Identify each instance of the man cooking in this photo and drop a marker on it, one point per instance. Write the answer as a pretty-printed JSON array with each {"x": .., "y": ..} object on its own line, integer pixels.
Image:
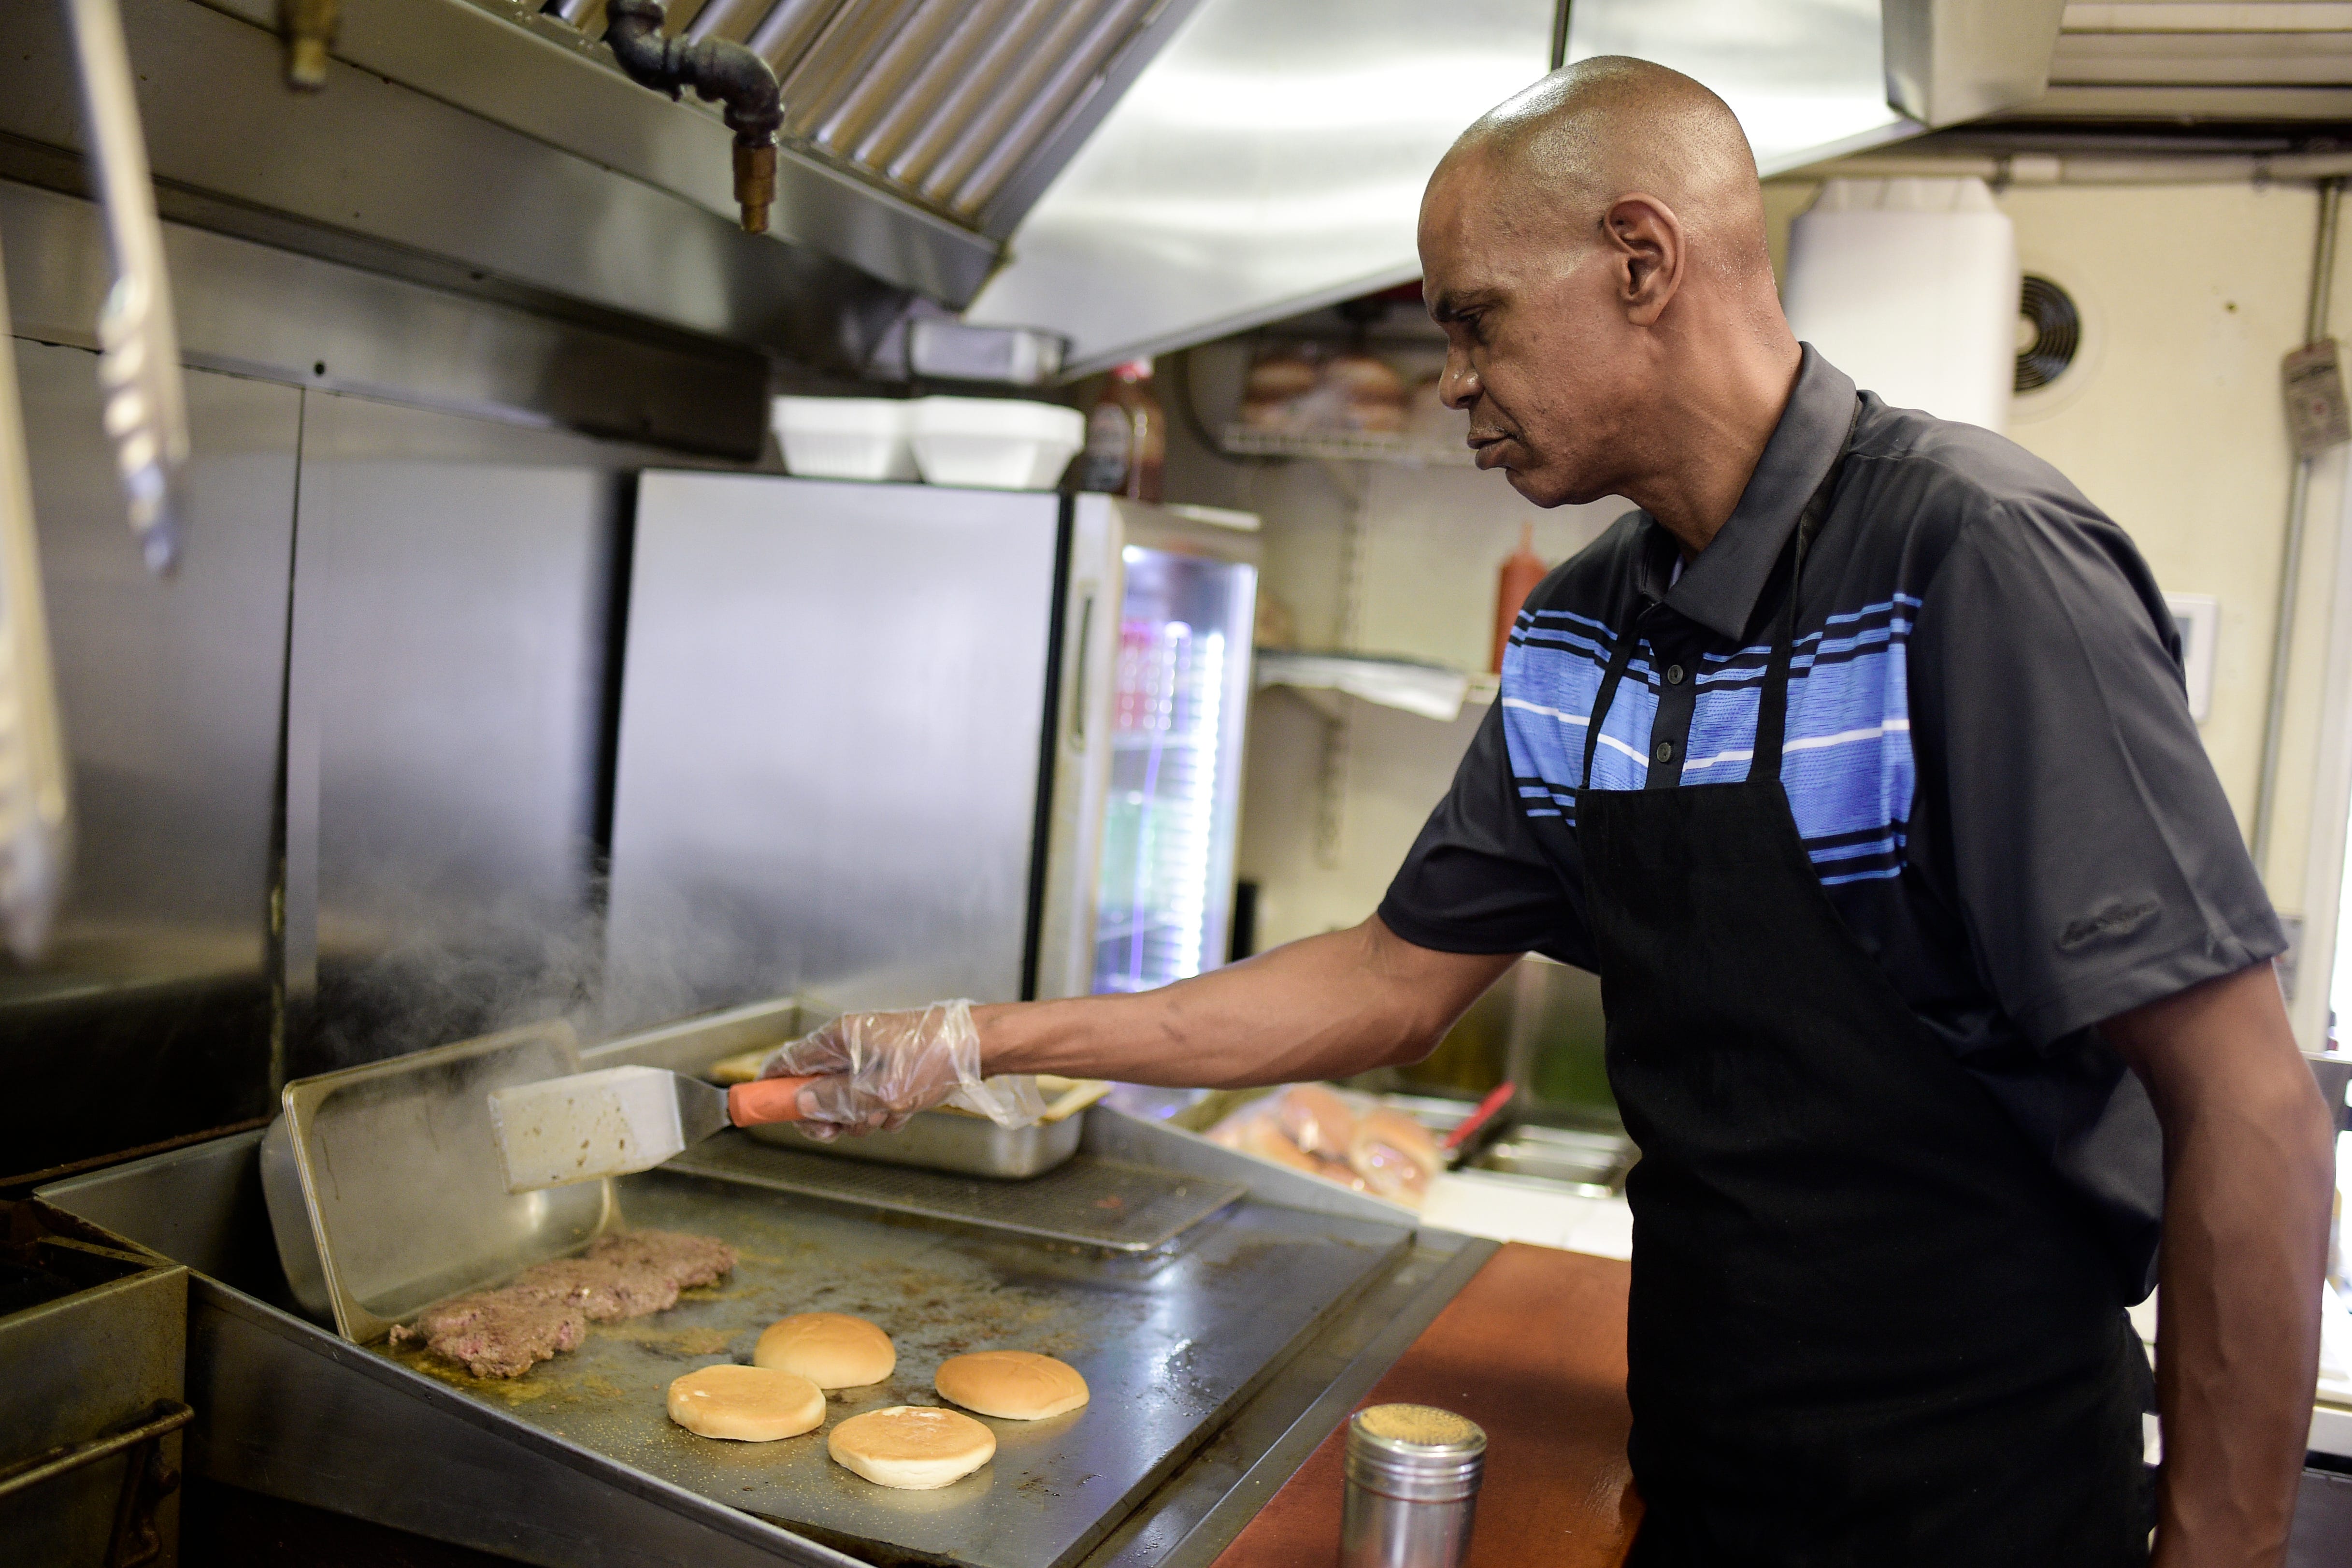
[{"x": 1857, "y": 765}]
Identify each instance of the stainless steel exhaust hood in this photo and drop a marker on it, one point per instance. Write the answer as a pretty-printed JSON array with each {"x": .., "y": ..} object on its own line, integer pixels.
[
  {"x": 1131, "y": 174},
  {"x": 487, "y": 143}
]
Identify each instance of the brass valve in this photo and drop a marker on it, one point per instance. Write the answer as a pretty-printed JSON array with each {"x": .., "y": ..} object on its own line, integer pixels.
[
  {"x": 309, "y": 29},
  {"x": 755, "y": 183}
]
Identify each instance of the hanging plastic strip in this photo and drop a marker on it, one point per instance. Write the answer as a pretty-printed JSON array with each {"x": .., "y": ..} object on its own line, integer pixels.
[
  {"x": 36, "y": 803},
  {"x": 139, "y": 346}
]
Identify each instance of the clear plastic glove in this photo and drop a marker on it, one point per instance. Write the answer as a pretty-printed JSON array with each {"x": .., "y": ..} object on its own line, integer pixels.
[{"x": 876, "y": 1069}]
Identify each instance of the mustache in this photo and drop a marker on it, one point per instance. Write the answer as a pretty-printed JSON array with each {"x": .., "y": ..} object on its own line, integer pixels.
[{"x": 1489, "y": 424}]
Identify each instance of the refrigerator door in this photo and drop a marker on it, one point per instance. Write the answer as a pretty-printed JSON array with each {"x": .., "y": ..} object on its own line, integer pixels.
[
  {"x": 832, "y": 730},
  {"x": 1179, "y": 696}
]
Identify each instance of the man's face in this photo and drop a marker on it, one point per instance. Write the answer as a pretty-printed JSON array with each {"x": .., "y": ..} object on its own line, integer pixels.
[{"x": 1538, "y": 348}]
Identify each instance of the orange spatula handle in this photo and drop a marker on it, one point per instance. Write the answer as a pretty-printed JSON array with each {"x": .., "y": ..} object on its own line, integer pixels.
[{"x": 766, "y": 1099}]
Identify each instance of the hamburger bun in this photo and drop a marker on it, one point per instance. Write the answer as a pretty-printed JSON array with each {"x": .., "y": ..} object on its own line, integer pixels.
[
  {"x": 1019, "y": 1385},
  {"x": 1279, "y": 377},
  {"x": 831, "y": 1349},
  {"x": 1394, "y": 1154},
  {"x": 911, "y": 1447},
  {"x": 1317, "y": 1120},
  {"x": 746, "y": 1404},
  {"x": 1262, "y": 1137},
  {"x": 1364, "y": 379}
]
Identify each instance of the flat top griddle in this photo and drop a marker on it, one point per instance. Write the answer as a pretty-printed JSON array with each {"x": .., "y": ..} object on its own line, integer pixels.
[{"x": 1169, "y": 1342}]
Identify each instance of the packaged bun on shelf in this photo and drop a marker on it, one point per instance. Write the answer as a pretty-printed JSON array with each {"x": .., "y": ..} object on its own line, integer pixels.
[
  {"x": 1348, "y": 1139},
  {"x": 1367, "y": 393},
  {"x": 1279, "y": 382},
  {"x": 1395, "y": 1155},
  {"x": 1316, "y": 1119}
]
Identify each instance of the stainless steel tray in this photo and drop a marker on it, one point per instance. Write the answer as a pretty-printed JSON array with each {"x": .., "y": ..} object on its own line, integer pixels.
[
  {"x": 1592, "y": 1163},
  {"x": 384, "y": 1186},
  {"x": 1086, "y": 1202},
  {"x": 944, "y": 1140}
]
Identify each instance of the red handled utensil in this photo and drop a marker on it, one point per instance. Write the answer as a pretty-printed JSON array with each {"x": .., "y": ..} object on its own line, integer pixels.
[{"x": 1468, "y": 1127}]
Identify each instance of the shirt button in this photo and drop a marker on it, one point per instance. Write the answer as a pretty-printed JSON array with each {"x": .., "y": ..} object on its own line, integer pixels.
[
  {"x": 1674, "y": 674},
  {"x": 1666, "y": 752}
]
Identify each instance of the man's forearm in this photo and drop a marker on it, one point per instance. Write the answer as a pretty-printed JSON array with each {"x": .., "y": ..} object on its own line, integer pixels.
[
  {"x": 2249, "y": 1172},
  {"x": 1322, "y": 1007}
]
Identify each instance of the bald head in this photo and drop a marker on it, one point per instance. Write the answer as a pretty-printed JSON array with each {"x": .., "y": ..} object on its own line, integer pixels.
[
  {"x": 1562, "y": 153},
  {"x": 1595, "y": 251}
]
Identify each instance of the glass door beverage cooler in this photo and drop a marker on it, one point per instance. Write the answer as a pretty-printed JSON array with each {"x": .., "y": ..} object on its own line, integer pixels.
[
  {"x": 883, "y": 743},
  {"x": 1175, "y": 752}
]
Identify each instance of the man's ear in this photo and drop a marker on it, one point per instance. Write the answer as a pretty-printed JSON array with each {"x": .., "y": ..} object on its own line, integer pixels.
[{"x": 1647, "y": 242}]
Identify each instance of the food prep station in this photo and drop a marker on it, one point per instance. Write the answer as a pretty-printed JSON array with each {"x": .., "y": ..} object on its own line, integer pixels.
[{"x": 1226, "y": 1314}]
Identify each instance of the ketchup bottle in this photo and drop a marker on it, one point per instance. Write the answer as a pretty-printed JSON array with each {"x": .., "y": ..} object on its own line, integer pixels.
[
  {"x": 1127, "y": 437},
  {"x": 1521, "y": 572}
]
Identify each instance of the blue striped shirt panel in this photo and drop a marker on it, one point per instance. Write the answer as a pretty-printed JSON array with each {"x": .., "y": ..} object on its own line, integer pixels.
[{"x": 1846, "y": 764}]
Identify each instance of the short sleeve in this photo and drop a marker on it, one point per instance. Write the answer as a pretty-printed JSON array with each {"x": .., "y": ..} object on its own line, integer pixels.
[
  {"x": 2091, "y": 852},
  {"x": 1477, "y": 880}
]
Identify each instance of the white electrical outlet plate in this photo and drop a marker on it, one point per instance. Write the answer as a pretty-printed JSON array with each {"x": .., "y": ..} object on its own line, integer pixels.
[{"x": 2199, "y": 616}]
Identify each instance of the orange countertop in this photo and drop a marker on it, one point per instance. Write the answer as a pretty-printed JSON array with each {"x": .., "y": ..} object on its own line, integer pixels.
[{"x": 1533, "y": 1349}]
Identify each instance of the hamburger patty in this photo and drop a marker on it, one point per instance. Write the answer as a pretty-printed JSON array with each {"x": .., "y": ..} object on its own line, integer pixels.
[
  {"x": 548, "y": 1307},
  {"x": 603, "y": 1290},
  {"x": 688, "y": 1261},
  {"x": 498, "y": 1333}
]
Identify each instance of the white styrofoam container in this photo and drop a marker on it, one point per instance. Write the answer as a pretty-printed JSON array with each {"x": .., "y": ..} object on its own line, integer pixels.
[
  {"x": 844, "y": 437},
  {"x": 995, "y": 443}
]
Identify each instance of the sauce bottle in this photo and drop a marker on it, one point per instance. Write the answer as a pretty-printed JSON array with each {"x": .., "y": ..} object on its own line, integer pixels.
[
  {"x": 1521, "y": 572},
  {"x": 1127, "y": 436}
]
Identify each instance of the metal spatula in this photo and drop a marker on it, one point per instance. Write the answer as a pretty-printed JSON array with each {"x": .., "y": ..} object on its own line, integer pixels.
[{"x": 621, "y": 1119}]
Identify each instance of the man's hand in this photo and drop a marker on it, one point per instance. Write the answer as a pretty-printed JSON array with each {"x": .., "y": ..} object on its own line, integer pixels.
[
  {"x": 878, "y": 1069},
  {"x": 2249, "y": 1173}
]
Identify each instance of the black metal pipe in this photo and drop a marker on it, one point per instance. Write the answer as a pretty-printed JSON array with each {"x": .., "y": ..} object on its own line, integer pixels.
[{"x": 725, "y": 73}]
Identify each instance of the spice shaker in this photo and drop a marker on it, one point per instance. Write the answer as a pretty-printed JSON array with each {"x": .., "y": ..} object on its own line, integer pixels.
[{"x": 1412, "y": 1481}]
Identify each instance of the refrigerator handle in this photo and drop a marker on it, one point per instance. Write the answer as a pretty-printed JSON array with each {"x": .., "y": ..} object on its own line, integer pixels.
[{"x": 1085, "y": 665}]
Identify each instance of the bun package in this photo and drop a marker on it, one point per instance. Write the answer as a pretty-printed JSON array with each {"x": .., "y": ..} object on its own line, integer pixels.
[
  {"x": 1300, "y": 389},
  {"x": 1343, "y": 1137}
]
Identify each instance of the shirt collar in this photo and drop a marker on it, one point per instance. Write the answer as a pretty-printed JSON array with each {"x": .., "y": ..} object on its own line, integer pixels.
[{"x": 1719, "y": 589}]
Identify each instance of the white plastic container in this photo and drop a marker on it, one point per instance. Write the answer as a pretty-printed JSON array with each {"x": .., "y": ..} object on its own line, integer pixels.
[
  {"x": 995, "y": 443},
  {"x": 844, "y": 437}
]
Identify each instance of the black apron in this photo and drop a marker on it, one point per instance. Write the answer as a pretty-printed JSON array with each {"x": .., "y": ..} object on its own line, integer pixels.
[{"x": 1869, "y": 1325}]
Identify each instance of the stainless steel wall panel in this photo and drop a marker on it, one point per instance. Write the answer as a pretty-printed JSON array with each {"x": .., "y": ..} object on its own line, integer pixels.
[
  {"x": 451, "y": 586},
  {"x": 830, "y": 737},
  {"x": 150, "y": 1017},
  {"x": 255, "y": 310}
]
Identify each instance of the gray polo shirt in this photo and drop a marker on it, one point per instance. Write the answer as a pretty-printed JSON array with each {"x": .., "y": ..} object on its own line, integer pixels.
[{"x": 1990, "y": 759}]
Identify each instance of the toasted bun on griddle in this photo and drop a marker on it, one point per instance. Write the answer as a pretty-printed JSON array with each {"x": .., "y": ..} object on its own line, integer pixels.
[
  {"x": 746, "y": 1404},
  {"x": 913, "y": 1447},
  {"x": 1020, "y": 1386},
  {"x": 831, "y": 1349}
]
